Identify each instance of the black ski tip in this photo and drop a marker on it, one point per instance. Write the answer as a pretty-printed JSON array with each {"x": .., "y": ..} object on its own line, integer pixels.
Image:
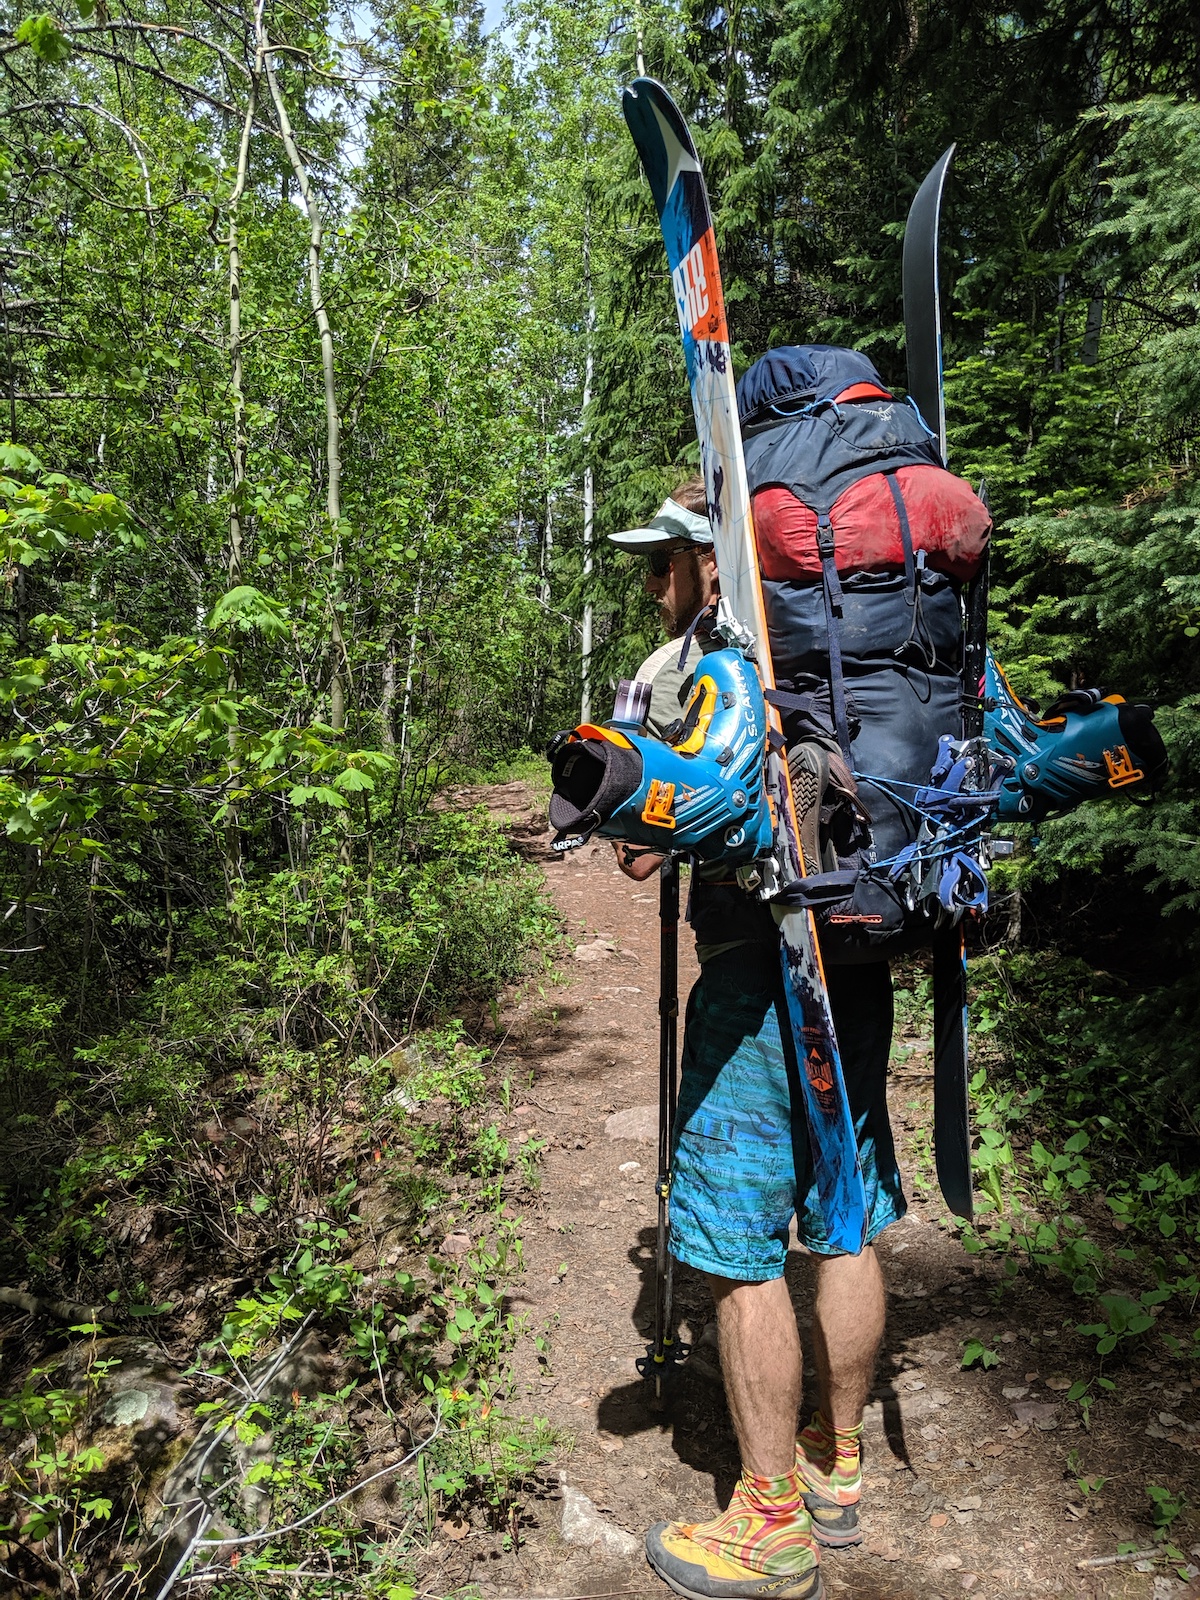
[
  {"x": 942, "y": 165},
  {"x": 639, "y": 101},
  {"x": 934, "y": 181},
  {"x": 638, "y": 86},
  {"x": 635, "y": 95},
  {"x": 922, "y": 298},
  {"x": 660, "y": 132}
]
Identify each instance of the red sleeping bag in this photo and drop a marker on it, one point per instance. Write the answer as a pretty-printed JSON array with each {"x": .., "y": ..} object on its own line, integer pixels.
[{"x": 945, "y": 515}]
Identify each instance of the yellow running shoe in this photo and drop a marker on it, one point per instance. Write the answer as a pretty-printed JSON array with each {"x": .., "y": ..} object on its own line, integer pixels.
[{"x": 762, "y": 1545}]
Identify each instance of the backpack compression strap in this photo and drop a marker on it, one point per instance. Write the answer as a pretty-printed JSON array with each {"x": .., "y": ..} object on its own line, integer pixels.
[
  {"x": 913, "y": 567},
  {"x": 831, "y": 589}
]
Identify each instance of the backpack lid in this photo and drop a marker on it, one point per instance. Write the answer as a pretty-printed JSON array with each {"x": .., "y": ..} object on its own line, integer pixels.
[{"x": 796, "y": 373}]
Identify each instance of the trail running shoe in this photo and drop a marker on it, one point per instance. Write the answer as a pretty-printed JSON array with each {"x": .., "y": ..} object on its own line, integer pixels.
[
  {"x": 829, "y": 1467},
  {"x": 762, "y": 1545},
  {"x": 701, "y": 1574}
]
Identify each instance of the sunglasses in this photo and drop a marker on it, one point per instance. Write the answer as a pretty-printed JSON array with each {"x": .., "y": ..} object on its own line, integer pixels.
[{"x": 659, "y": 561}]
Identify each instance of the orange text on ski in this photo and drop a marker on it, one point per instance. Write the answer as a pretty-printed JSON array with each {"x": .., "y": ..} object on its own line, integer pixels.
[{"x": 697, "y": 282}]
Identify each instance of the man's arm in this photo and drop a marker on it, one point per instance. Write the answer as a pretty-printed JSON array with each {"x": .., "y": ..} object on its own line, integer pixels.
[{"x": 636, "y": 862}]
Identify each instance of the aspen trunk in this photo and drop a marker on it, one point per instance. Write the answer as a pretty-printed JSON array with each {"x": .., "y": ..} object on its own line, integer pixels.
[{"x": 333, "y": 426}]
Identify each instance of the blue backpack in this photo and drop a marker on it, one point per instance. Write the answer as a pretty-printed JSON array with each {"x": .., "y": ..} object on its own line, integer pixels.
[{"x": 866, "y": 544}]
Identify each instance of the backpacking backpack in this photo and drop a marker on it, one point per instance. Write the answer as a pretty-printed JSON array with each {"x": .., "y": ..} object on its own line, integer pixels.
[{"x": 865, "y": 543}]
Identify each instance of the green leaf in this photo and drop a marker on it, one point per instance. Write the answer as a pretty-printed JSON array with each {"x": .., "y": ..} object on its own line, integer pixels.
[
  {"x": 352, "y": 781},
  {"x": 44, "y": 38},
  {"x": 247, "y": 607}
]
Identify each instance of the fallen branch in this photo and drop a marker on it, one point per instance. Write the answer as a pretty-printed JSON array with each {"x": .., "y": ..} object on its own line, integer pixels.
[
  {"x": 68, "y": 1311},
  {"x": 1114, "y": 1561},
  {"x": 277, "y": 1533},
  {"x": 199, "y": 1501}
]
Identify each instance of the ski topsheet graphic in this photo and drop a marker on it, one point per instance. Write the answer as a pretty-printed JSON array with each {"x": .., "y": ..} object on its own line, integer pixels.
[
  {"x": 923, "y": 344},
  {"x": 681, "y": 199},
  {"x": 672, "y": 168}
]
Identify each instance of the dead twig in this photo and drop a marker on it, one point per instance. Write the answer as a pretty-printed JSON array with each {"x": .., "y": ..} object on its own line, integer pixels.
[{"x": 1114, "y": 1561}]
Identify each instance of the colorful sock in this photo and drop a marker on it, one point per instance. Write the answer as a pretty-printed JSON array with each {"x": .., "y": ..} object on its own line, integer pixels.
[
  {"x": 764, "y": 1529},
  {"x": 829, "y": 1461}
]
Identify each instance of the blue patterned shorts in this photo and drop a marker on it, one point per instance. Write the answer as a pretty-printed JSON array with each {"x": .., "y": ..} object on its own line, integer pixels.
[{"x": 742, "y": 1165}]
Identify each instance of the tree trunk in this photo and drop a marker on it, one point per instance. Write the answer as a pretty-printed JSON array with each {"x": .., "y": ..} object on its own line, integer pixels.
[
  {"x": 233, "y": 832},
  {"x": 387, "y": 699},
  {"x": 333, "y": 427}
]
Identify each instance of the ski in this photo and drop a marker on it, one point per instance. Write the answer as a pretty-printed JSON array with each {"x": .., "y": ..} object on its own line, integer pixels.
[
  {"x": 672, "y": 166},
  {"x": 923, "y": 346},
  {"x": 923, "y": 300},
  {"x": 951, "y": 1086}
]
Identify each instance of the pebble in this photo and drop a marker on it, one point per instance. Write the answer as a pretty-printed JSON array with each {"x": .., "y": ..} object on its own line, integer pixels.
[
  {"x": 1039, "y": 1414},
  {"x": 595, "y": 950},
  {"x": 885, "y": 1550},
  {"x": 639, "y": 1124},
  {"x": 583, "y": 1525}
]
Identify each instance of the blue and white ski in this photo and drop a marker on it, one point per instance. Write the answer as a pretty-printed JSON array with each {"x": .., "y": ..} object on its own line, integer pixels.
[{"x": 672, "y": 167}]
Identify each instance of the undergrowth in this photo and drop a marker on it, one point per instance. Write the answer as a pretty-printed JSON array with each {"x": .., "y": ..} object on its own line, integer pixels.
[
  {"x": 265, "y": 1155},
  {"x": 1083, "y": 1185}
]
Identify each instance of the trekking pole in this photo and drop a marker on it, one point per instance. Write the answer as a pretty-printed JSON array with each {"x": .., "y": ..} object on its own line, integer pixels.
[{"x": 666, "y": 1349}]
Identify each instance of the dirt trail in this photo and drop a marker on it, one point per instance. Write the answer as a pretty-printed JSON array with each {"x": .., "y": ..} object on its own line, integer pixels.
[{"x": 966, "y": 1482}]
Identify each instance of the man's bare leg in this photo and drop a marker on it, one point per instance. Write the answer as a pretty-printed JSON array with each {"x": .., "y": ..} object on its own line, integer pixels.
[
  {"x": 761, "y": 1365},
  {"x": 848, "y": 1320},
  {"x": 764, "y": 1543}
]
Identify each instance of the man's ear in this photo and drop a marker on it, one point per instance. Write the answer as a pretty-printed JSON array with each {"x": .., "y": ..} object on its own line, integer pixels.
[{"x": 708, "y": 562}]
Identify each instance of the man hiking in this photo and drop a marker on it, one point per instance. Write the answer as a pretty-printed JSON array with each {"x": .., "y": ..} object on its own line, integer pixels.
[{"x": 742, "y": 1169}]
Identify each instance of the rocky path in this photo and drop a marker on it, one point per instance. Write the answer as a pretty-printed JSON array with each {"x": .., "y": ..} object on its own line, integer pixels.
[{"x": 971, "y": 1476}]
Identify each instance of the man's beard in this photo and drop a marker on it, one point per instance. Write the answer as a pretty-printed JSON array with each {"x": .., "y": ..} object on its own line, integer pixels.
[{"x": 689, "y": 597}]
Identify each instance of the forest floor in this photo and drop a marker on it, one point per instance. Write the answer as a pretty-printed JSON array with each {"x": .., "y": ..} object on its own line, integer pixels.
[{"x": 976, "y": 1481}]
